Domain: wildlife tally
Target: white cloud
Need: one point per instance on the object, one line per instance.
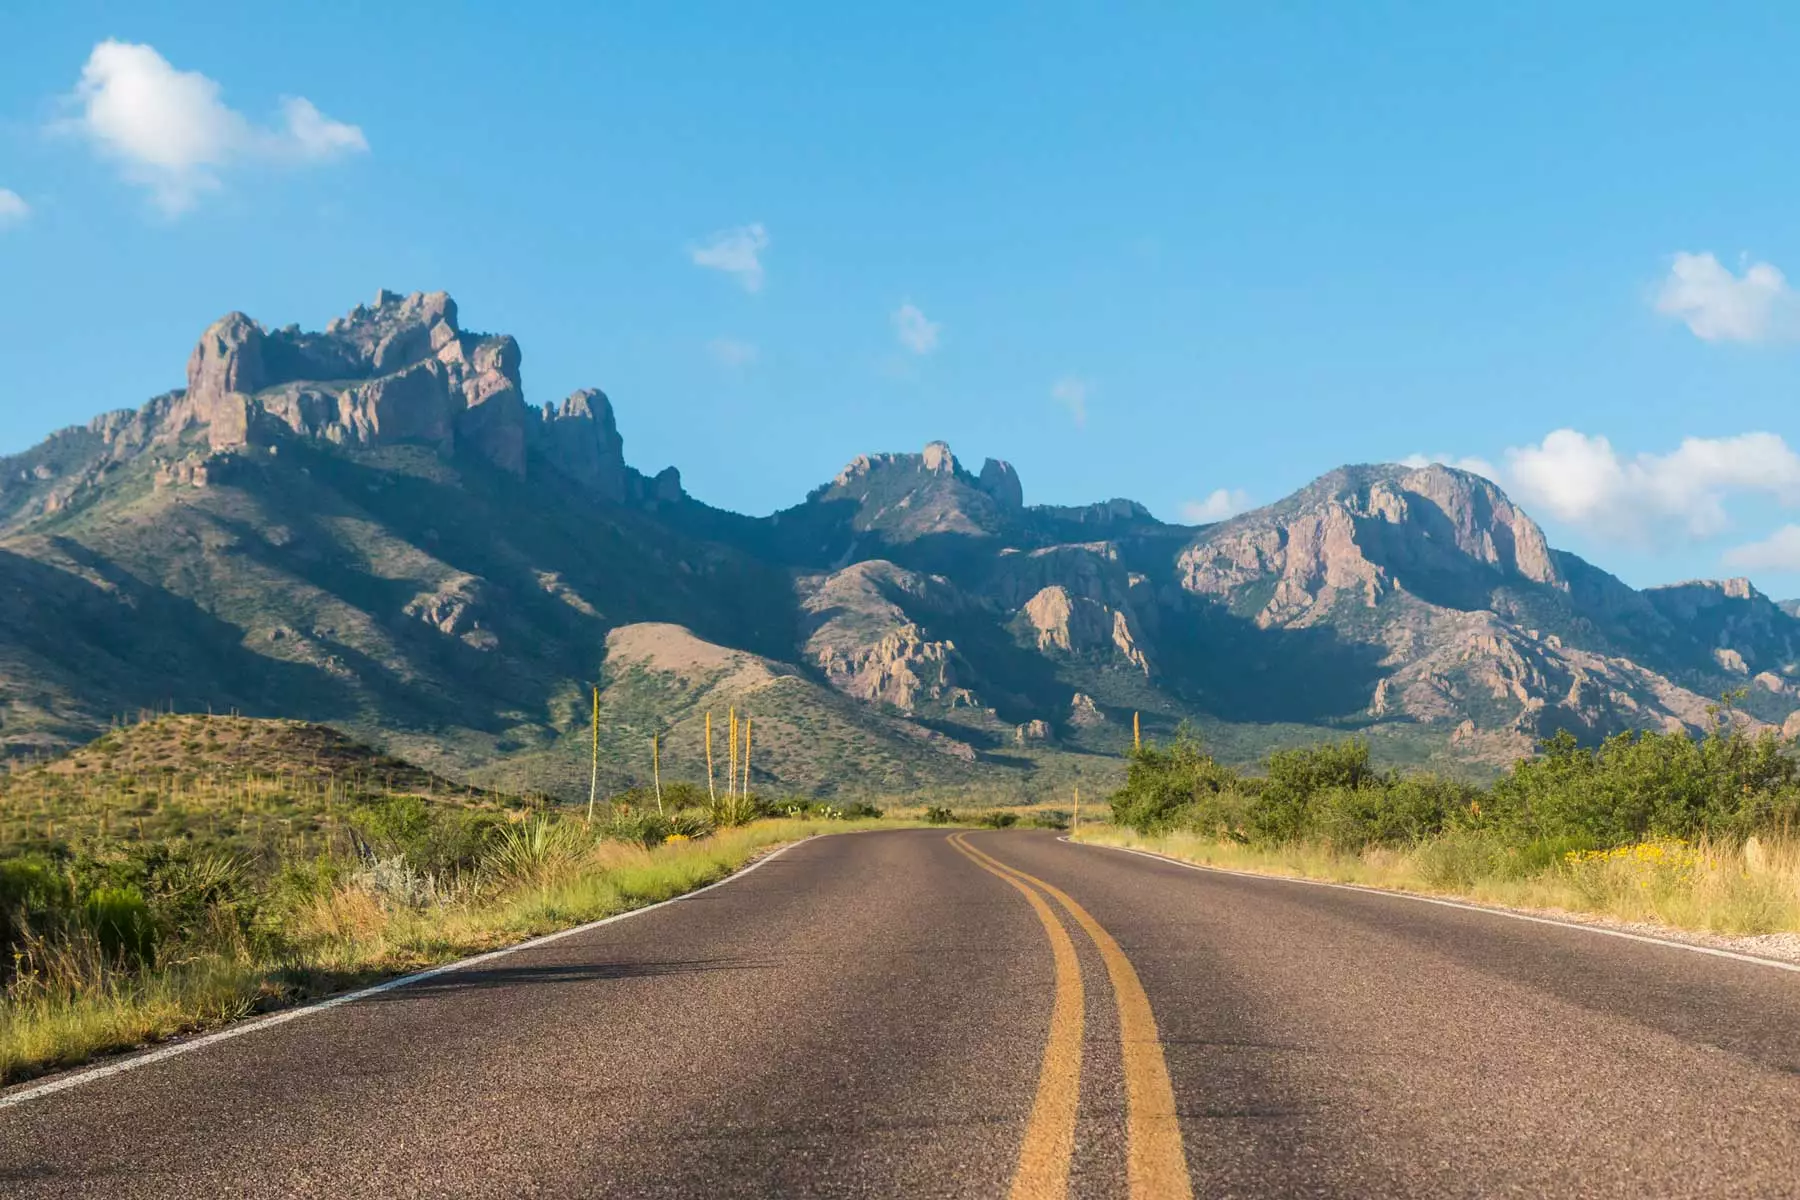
(732, 353)
(170, 131)
(1072, 394)
(314, 137)
(915, 332)
(1225, 502)
(736, 252)
(13, 209)
(1780, 551)
(1583, 481)
(1718, 306)
(1474, 466)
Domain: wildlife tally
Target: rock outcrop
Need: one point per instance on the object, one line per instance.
(860, 634)
(1079, 625)
(999, 480)
(400, 370)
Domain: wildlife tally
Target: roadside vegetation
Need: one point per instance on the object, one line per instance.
(1701, 833)
(140, 900)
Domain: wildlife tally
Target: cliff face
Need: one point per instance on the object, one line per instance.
(398, 371)
(370, 524)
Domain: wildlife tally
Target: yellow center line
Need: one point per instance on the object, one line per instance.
(1156, 1166)
(1049, 1146)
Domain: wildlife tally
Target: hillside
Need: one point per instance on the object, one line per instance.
(370, 527)
(254, 787)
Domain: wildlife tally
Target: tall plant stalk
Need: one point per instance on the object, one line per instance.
(746, 789)
(731, 768)
(711, 792)
(656, 768)
(594, 774)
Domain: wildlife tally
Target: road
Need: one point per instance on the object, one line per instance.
(909, 1014)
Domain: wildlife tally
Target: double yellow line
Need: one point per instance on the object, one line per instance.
(1155, 1166)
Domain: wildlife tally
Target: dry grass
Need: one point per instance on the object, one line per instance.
(1723, 887)
(366, 927)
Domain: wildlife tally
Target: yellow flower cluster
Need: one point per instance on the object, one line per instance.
(1673, 861)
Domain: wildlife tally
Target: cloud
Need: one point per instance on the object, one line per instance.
(171, 133)
(1780, 551)
(736, 252)
(13, 209)
(915, 332)
(314, 137)
(732, 353)
(1072, 394)
(1583, 481)
(1718, 306)
(1474, 466)
(1226, 502)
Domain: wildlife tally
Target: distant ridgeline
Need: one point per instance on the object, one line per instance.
(370, 526)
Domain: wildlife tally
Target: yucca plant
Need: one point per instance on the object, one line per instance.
(534, 851)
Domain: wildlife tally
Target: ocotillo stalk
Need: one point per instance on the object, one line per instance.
(1136, 742)
(656, 768)
(711, 793)
(594, 775)
(746, 791)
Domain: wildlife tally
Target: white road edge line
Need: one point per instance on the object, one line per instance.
(1752, 959)
(144, 1059)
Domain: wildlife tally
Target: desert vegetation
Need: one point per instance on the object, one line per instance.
(1700, 832)
(191, 871)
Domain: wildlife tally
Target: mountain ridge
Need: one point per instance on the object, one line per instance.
(371, 526)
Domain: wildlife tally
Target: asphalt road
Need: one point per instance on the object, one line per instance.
(898, 1014)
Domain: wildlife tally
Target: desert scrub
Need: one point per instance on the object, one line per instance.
(81, 980)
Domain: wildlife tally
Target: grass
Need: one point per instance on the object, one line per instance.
(70, 1000)
(1750, 887)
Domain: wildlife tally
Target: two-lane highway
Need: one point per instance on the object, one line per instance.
(987, 1014)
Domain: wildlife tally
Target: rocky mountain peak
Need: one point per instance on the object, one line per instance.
(1358, 533)
(398, 370)
(938, 460)
(999, 480)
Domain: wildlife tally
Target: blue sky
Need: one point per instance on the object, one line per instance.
(1195, 255)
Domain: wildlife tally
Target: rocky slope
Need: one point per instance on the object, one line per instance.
(370, 526)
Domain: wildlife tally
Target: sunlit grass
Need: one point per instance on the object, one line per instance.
(78, 1005)
(1719, 887)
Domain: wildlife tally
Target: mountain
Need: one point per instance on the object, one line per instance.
(369, 526)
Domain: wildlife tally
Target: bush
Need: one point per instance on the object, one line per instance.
(34, 896)
(999, 819)
(1285, 808)
(1393, 812)
(119, 918)
(434, 838)
(1162, 783)
(1642, 786)
(938, 815)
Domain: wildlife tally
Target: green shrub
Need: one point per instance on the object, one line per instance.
(1386, 812)
(1298, 779)
(35, 896)
(119, 917)
(1160, 784)
(938, 815)
(999, 819)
